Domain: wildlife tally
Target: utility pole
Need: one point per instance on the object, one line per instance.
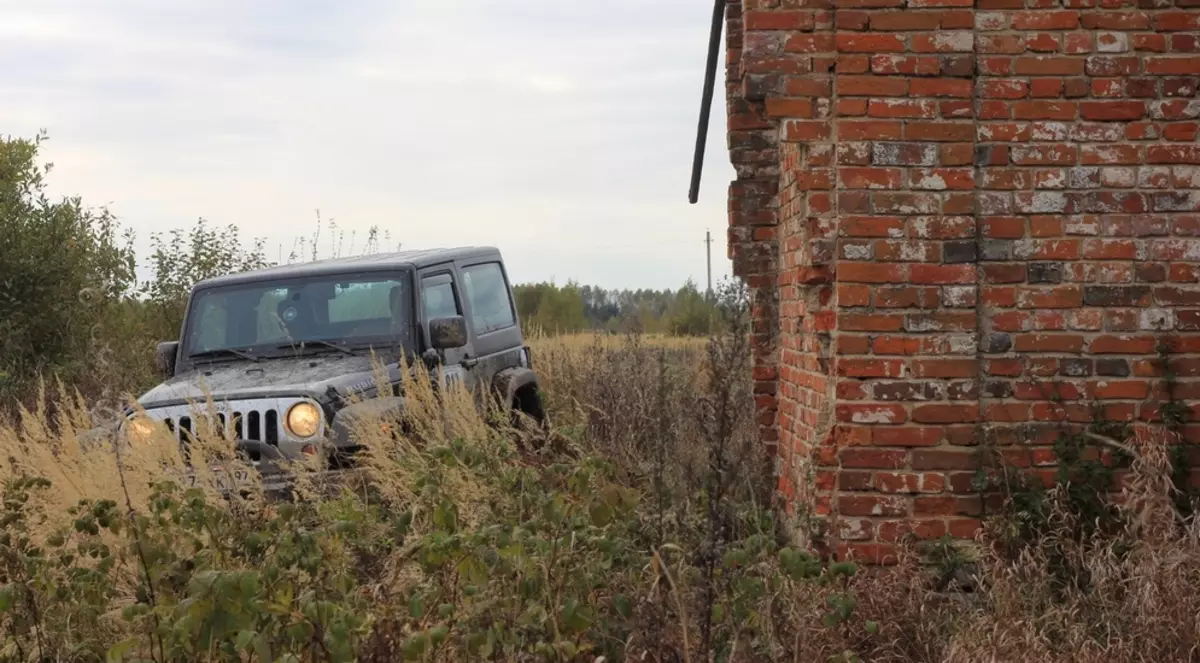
(708, 256)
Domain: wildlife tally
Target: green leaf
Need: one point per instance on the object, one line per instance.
(848, 569)
(602, 514)
(574, 617)
(415, 647)
(473, 570)
(118, 651)
(244, 639)
(623, 606)
(444, 517)
(262, 648)
(799, 565)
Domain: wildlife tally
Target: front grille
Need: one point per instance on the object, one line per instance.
(252, 425)
(259, 420)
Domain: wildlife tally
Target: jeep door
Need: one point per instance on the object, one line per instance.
(441, 298)
(491, 317)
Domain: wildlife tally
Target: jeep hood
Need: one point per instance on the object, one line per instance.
(228, 380)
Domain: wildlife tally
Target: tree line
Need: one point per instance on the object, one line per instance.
(572, 308)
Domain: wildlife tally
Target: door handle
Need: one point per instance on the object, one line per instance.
(468, 361)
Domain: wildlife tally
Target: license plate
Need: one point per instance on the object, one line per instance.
(226, 480)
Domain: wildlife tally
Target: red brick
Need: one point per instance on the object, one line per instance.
(806, 130)
(778, 20)
(1112, 110)
(1065, 296)
(818, 42)
(946, 414)
(1127, 345)
(789, 107)
(1048, 65)
(871, 86)
(964, 528)
(1178, 65)
(942, 87)
(940, 131)
(870, 130)
(935, 506)
(903, 108)
(849, 42)
(870, 368)
(858, 457)
(1007, 412)
(902, 21)
(1121, 389)
(870, 322)
(867, 272)
(1177, 20)
(855, 505)
(1044, 110)
(871, 226)
(924, 436)
(945, 368)
(942, 274)
(870, 178)
(1044, 19)
(1048, 343)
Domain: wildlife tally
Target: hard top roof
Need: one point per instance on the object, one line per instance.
(373, 262)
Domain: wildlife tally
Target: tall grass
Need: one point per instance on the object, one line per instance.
(639, 528)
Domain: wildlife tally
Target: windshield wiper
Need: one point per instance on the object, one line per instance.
(319, 343)
(225, 353)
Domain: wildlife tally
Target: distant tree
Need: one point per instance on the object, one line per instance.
(551, 309)
(691, 313)
(181, 260)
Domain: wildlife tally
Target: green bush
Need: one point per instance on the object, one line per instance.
(63, 267)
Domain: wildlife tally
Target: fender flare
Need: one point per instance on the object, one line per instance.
(346, 421)
(509, 381)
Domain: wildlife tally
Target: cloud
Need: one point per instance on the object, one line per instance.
(559, 130)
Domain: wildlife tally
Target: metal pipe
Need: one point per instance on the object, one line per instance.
(710, 77)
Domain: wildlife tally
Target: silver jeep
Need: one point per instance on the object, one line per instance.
(286, 353)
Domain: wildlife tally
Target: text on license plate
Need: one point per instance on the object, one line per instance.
(222, 477)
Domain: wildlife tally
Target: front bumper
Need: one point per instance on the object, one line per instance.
(267, 467)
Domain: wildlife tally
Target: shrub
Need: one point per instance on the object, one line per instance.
(63, 268)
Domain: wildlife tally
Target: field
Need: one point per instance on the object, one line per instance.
(641, 529)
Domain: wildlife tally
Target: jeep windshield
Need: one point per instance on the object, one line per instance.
(316, 314)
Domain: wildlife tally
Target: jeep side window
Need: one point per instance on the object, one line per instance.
(437, 295)
(491, 307)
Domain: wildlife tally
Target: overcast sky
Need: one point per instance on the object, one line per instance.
(559, 130)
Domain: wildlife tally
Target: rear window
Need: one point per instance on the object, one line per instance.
(487, 292)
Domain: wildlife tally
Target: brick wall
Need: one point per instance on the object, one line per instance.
(961, 220)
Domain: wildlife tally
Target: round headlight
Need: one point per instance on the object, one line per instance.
(139, 429)
(304, 420)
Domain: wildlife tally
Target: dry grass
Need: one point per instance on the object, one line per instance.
(633, 416)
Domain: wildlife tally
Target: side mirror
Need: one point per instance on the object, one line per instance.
(448, 333)
(164, 357)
